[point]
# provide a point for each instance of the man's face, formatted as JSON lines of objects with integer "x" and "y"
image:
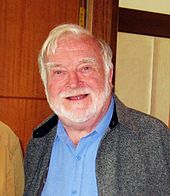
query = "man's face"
{"x": 76, "y": 85}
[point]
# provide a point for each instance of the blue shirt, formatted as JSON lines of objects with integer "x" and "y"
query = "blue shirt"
{"x": 72, "y": 169}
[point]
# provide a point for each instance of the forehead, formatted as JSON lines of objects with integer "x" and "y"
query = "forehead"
{"x": 75, "y": 46}
{"x": 72, "y": 41}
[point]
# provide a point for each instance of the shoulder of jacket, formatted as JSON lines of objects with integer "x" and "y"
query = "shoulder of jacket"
{"x": 136, "y": 120}
{"x": 144, "y": 121}
{"x": 45, "y": 127}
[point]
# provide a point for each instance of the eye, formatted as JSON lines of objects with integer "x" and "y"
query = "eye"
{"x": 86, "y": 68}
{"x": 58, "y": 72}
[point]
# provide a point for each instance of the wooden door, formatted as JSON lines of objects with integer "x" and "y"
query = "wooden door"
{"x": 24, "y": 25}
{"x": 105, "y": 23}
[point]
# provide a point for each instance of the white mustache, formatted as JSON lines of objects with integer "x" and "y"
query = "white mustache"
{"x": 75, "y": 92}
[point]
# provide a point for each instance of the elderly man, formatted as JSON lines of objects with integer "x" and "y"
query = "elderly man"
{"x": 93, "y": 145}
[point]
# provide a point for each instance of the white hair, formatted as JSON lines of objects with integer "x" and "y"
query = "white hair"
{"x": 50, "y": 46}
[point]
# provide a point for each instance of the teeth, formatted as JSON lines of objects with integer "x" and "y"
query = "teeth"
{"x": 78, "y": 97}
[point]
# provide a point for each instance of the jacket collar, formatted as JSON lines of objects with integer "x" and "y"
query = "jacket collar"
{"x": 45, "y": 127}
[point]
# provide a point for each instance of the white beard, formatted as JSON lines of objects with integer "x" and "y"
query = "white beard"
{"x": 98, "y": 102}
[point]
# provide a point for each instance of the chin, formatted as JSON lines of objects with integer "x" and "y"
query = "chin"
{"x": 76, "y": 115}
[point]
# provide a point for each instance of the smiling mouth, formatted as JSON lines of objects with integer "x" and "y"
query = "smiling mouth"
{"x": 77, "y": 97}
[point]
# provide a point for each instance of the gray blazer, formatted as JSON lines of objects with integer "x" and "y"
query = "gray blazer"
{"x": 133, "y": 158}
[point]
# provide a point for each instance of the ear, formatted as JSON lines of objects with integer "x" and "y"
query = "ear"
{"x": 110, "y": 76}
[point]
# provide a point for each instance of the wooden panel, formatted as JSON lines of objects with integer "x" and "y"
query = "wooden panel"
{"x": 142, "y": 22}
{"x": 102, "y": 15}
{"x": 24, "y": 26}
{"x": 105, "y": 20}
{"x": 22, "y": 115}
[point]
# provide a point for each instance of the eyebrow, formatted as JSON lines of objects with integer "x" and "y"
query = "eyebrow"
{"x": 87, "y": 60}
{"x": 84, "y": 60}
{"x": 51, "y": 65}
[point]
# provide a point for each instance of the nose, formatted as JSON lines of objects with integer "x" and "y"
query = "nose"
{"x": 73, "y": 79}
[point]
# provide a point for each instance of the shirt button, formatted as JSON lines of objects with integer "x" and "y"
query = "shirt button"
{"x": 74, "y": 192}
{"x": 78, "y": 158}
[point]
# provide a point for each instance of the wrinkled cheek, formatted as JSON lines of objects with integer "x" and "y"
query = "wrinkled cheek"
{"x": 53, "y": 90}
{"x": 53, "y": 97}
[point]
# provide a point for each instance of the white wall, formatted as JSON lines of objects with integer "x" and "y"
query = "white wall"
{"x": 158, "y": 6}
{"x": 142, "y": 73}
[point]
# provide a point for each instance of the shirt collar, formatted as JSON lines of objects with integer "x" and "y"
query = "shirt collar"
{"x": 104, "y": 123}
